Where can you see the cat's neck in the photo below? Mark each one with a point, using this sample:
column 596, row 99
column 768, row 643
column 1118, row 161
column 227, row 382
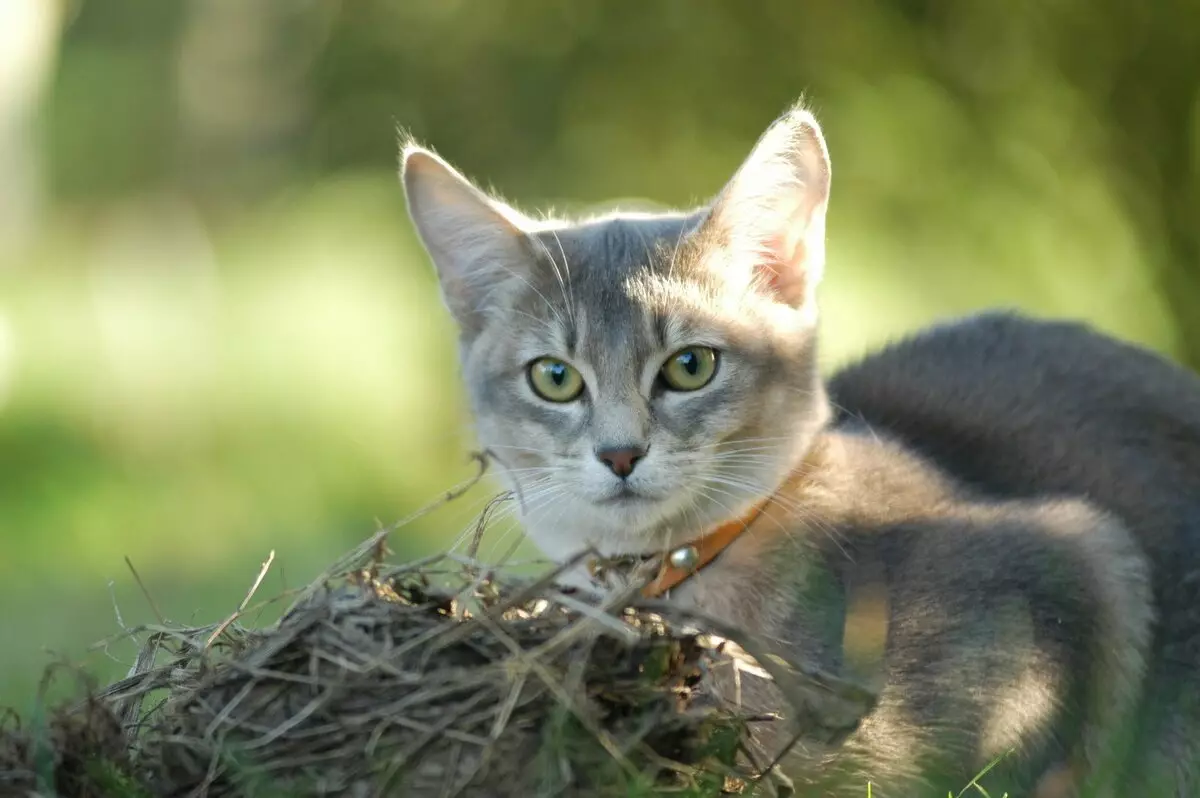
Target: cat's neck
column 690, row 556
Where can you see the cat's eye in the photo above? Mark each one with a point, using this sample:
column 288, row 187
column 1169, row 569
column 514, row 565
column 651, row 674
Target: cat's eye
column 554, row 380
column 690, row 369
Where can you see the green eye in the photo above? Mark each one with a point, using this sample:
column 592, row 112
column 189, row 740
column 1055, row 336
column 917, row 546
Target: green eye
column 554, row 380
column 690, row 369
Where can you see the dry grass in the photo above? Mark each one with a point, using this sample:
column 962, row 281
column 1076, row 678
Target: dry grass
column 440, row 677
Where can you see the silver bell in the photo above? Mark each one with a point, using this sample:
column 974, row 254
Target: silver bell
column 684, row 558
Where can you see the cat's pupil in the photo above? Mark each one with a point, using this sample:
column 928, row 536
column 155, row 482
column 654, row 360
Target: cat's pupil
column 558, row 373
column 690, row 362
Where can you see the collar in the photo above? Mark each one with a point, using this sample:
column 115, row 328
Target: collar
column 684, row 561
column 681, row 562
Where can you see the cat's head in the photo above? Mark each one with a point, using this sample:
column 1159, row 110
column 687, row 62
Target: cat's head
column 639, row 378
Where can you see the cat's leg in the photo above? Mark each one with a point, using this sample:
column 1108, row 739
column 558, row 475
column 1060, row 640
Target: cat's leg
column 1060, row 781
column 1017, row 634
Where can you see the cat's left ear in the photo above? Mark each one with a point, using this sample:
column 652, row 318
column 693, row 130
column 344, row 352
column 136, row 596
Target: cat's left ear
column 477, row 244
column 770, row 218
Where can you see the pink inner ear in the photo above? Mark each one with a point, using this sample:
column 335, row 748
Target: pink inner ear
column 786, row 270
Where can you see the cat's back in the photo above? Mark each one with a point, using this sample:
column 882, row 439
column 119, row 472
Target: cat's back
column 1019, row 406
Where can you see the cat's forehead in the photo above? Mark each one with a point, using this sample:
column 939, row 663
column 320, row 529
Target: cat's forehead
column 607, row 263
column 605, row 252
column 602, row 285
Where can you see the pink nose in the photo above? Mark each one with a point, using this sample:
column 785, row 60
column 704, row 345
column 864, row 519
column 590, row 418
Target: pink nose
column 621, row 461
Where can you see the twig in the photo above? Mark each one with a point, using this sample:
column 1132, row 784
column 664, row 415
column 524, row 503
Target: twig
column 598, row 614
column 445, row 637
column 262, row 572
column 145, row 592
column 526, row 660
column 484, row 517
column 365, row 552
column 112, row 593
column 617, row 601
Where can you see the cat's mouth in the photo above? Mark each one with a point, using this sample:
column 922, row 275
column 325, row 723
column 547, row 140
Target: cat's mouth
column 626, row 496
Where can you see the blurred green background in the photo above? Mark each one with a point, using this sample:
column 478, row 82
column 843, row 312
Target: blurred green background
column 218, row 337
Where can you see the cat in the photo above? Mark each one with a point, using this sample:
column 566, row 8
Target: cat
column 1014, row 501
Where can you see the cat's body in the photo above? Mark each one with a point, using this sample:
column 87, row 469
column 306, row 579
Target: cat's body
column 1022, row 409
column 1019, row 602
column 1003, row 514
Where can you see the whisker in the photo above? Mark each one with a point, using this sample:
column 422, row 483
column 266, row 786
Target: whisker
column 566, row 288
column 535, row 290
column 528, row 449
column 675, row 251
column 763, row 439
column 546, row 324
column 788, row 532
column 805, row 514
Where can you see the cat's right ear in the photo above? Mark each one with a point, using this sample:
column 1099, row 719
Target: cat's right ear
column 476, row 243
column 769, row 221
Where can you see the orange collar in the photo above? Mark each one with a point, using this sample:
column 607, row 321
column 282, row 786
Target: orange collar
column 684, row 561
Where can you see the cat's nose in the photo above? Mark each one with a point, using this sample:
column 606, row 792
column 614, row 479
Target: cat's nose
column 621, row 459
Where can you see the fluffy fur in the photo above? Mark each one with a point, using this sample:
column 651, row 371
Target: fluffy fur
column 1016, row 502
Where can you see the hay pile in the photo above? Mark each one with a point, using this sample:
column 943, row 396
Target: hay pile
column 433, row 678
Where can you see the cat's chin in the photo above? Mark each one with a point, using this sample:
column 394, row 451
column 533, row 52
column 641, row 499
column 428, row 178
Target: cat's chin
column 625, row 522
column 629, row 523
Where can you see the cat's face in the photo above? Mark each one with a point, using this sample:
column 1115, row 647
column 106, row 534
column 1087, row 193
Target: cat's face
column 639, row 379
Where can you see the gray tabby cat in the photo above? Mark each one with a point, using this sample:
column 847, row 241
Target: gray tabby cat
column 1023, row 495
